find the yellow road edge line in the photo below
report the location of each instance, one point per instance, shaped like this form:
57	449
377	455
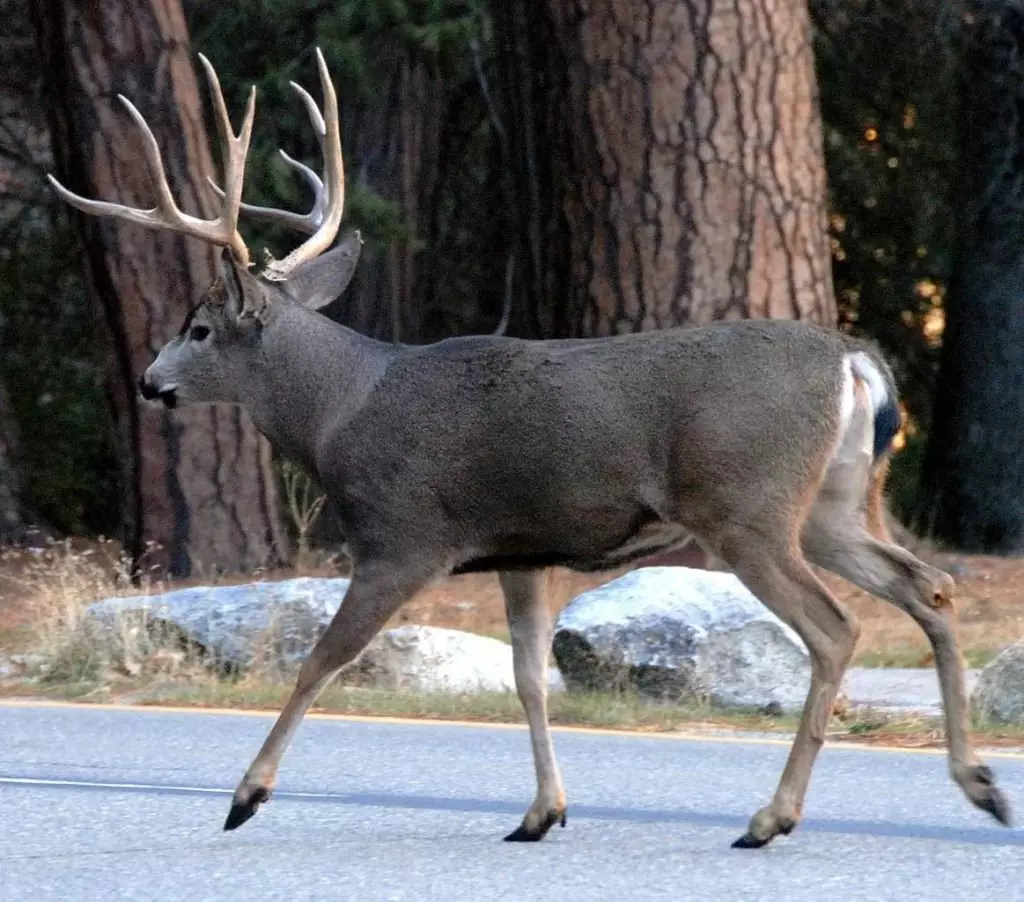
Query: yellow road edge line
679	735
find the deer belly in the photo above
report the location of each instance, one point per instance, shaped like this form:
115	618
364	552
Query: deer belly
522	553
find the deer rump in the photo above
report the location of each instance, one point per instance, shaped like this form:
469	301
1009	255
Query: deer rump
502	454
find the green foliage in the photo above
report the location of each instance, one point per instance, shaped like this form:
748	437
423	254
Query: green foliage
48	363
364	45
887	75
422	181
903	486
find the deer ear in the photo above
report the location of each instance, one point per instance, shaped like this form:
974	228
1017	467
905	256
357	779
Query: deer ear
245	298
316	283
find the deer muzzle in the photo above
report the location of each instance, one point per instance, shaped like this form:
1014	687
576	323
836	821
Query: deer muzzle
149	391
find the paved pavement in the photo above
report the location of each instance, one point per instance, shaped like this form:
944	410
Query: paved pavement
102	804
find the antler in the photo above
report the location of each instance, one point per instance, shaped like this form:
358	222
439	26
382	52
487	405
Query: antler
222	231
324	219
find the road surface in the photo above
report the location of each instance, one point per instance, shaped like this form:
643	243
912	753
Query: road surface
112	804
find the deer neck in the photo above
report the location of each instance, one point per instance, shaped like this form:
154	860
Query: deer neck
314	376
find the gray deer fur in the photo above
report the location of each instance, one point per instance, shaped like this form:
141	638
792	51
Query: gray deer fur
766	442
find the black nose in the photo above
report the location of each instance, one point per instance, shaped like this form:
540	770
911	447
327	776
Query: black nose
148	391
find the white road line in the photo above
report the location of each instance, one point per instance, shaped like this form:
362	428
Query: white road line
91	784
153	787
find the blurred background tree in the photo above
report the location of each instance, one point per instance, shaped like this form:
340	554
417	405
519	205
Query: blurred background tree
482	134
195	490
973	488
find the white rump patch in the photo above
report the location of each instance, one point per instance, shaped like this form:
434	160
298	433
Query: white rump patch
847	397
863	394
867	369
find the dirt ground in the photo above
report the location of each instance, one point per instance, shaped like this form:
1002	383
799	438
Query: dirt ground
989	602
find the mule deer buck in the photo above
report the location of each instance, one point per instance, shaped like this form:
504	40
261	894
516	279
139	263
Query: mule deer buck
766	442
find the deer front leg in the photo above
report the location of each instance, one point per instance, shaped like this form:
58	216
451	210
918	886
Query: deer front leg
530	626
375	593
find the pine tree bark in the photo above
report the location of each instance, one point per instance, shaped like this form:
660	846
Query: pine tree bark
197	486
972	492
677	158
15	521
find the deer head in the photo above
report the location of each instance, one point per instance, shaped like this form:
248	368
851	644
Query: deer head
212	355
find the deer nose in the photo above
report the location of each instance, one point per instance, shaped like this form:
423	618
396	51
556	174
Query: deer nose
148	391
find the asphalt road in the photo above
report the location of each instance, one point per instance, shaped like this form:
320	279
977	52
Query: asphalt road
100	804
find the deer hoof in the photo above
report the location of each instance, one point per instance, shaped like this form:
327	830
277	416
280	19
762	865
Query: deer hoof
245	808
749	841
764	827
980	785
996	804
522	833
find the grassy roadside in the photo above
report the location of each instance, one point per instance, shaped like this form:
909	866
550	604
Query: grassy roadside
625	712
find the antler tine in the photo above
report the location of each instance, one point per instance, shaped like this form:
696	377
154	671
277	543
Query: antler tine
324	218
164	215
234	150
300	222
223	230
330	200
312	109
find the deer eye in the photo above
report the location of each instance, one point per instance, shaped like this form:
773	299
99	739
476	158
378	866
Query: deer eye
198	333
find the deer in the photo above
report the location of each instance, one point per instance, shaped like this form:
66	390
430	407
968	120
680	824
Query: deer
766	442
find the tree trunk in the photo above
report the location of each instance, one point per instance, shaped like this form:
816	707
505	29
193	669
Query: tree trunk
677	158
15	522
197	486
972	493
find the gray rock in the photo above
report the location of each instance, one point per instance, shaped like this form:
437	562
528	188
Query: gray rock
999	695
236	626
273	626
556	682
681	633
430	659
20	665
898	690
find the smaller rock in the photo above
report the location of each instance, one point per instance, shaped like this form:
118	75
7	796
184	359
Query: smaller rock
556	682
999	695
430	659
20	665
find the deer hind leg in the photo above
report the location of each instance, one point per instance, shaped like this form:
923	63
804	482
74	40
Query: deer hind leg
529	623
840	538
777	574
375	593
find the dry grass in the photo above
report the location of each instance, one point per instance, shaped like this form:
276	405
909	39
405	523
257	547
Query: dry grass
53	586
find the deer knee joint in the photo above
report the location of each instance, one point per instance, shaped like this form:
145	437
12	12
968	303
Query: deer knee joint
943	589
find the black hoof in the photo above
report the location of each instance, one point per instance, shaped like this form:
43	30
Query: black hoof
749	841
241	811
990	798
522	834
996	804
